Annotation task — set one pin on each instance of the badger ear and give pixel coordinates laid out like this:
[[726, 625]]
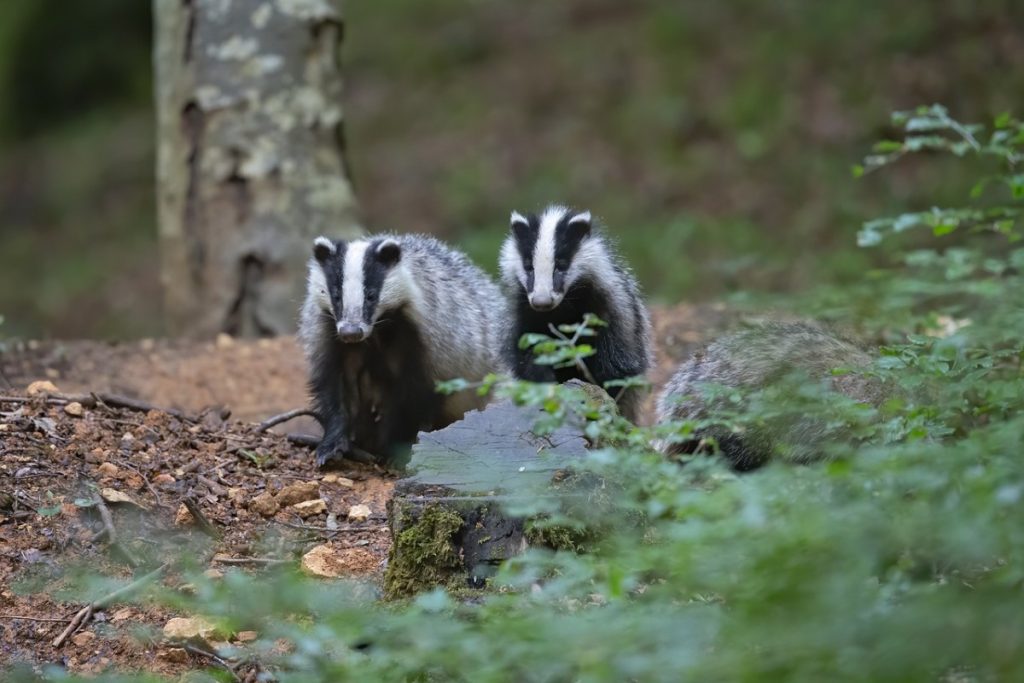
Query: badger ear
[[579, 224], [519, 224], [323, 249], [389, 252]]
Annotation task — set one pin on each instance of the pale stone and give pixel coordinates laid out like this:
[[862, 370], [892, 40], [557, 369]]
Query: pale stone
[[359, 513]]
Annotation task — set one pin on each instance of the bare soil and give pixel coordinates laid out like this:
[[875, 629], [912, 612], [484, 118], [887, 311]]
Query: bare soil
[[52, 462]]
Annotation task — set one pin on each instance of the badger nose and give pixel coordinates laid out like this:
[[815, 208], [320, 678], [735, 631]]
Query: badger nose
[[542, 302], [352, 332]]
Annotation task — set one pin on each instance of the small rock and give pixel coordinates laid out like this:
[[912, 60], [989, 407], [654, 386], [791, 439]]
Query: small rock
[[147, 344], [52, 373], [42, 387], [174, 655], [122, 614], [225, 341], [213, 574], [163, 479], [183, 517], [184, 628], [83, 639], [246, 636], [108, 469], [309, 508], [264, 504], [95, 455], [297, 493], [322, 561], [114, 496], [359, 513], [74, 409], [127, 437], [4, 427], [237, 494], [333, 478]]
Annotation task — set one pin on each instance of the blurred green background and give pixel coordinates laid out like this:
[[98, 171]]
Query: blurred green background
[[715, 139]]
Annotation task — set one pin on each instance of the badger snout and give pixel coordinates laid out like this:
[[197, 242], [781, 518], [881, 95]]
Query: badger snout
[[544, 301], [352, 333]]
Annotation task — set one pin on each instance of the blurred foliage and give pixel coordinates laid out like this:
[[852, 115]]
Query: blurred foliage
[[712, 137], [902, 561]]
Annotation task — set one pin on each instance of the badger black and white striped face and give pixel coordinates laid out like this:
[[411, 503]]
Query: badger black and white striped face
[[543, 253], [355, 282]]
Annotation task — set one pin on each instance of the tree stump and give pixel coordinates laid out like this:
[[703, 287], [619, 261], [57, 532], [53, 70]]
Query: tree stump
[[449, 520]]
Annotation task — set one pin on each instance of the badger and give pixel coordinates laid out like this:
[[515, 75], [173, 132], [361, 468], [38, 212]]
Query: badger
[[556, 267], [756, 358], [384, 319]]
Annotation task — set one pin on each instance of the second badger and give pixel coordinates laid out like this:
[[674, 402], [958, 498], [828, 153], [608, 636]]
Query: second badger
[[555, 268], [384, 319]]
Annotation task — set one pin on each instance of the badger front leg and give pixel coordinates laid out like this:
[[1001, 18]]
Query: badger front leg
[[327, 387]]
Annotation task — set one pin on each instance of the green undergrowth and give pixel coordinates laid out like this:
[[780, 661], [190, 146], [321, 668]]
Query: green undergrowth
[[897, 556]]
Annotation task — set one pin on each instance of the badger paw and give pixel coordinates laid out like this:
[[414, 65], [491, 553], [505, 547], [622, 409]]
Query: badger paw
[[331, 448]]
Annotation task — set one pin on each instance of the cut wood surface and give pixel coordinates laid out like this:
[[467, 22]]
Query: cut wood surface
[[474, 470], [491, 452]]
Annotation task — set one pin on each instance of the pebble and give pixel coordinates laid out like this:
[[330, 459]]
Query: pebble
[[298, 493], [359, 513], [108, 469], [309, 508], [42, 387], [264, 504], [74, 409]]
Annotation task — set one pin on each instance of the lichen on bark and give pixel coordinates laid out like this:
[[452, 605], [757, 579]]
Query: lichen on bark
[[251, 159]]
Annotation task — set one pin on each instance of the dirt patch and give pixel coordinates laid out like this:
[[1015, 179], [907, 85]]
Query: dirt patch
[[54, 461], [52, 465]]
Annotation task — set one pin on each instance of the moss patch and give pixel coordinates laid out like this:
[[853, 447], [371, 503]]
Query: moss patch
[[424, 553]]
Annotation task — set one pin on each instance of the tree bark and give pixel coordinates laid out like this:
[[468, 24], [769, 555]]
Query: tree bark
[[251, 158]]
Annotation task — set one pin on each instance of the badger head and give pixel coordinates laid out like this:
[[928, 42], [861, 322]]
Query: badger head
[[542, 253], [354, 282]]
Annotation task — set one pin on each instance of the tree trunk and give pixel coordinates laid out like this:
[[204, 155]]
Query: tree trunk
[[251, 158]]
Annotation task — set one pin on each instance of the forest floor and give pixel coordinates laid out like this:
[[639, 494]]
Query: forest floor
[[57, 460]]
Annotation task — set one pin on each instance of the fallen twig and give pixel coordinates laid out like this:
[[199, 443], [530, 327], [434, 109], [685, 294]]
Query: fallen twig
[[86, 612], [145, 479], [215, 488], [109, 531], [202, 522], [348, 528], [284, 417], [107, 518], [354, 453], [45, 619], [251, 560], [212, 656], [93, 399], [303, 440]]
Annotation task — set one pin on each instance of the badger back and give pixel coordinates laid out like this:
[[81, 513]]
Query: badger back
[[458, 307]]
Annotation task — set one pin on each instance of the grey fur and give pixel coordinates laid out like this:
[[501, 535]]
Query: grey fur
[[447, 302], [623, 349], [755, 358]]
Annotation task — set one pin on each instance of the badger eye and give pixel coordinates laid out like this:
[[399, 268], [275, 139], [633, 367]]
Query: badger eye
[[562, 265], [528, 266]]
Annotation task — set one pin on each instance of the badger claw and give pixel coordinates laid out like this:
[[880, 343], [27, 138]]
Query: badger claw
[[331, 448]]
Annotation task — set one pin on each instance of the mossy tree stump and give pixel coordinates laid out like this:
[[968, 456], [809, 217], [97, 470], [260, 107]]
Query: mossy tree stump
[[448, 519]]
